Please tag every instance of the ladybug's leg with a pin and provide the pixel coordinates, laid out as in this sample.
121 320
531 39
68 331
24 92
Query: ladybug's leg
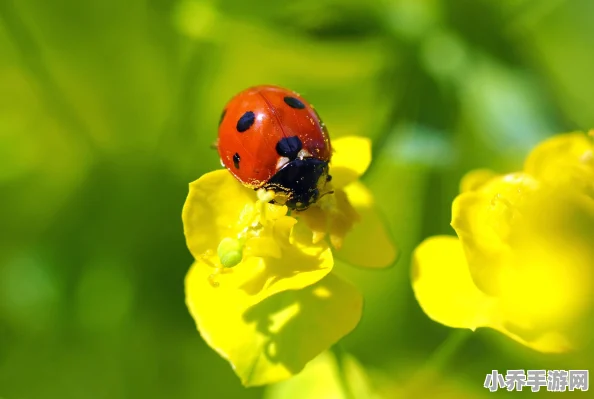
215 145
328 178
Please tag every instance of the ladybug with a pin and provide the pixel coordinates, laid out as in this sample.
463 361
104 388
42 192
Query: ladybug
270 137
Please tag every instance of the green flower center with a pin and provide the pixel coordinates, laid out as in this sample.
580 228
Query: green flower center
255 221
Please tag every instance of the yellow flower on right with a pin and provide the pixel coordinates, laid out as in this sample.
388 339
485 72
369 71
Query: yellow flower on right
523 259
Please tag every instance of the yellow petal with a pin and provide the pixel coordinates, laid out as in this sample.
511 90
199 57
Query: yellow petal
553 237
475 179
508 215
325 378
484 220
444 288
516 234
272 264
566 161
276 211
367 243
351 157
317 221
263 247
341 219
548 342
274 339
212 210
282 229
298 266
446 292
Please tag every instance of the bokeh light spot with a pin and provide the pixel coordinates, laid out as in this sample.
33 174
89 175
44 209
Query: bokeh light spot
104 296
29 294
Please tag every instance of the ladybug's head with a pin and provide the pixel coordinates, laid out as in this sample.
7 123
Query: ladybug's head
301 180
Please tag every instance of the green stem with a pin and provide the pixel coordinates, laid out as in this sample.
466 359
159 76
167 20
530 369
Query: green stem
438 359
340 355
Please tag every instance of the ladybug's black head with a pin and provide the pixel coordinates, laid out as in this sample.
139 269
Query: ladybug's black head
301 180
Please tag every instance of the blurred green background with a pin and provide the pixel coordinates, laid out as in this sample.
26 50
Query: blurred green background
108 110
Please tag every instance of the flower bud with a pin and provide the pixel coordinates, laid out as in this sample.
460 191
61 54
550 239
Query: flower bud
230 252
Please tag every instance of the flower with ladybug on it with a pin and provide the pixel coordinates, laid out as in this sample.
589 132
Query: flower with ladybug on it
261 289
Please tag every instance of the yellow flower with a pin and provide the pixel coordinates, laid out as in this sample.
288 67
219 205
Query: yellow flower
261 289
348 217
565 161
523 261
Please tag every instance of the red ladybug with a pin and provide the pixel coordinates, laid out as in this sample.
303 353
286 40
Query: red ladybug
271 137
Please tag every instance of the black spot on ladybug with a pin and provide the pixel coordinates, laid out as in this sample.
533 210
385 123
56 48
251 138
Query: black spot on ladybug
246 121
289 147
236 159
222 117
294 103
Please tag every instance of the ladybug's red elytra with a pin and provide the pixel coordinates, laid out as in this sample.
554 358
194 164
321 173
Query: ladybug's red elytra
270 137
